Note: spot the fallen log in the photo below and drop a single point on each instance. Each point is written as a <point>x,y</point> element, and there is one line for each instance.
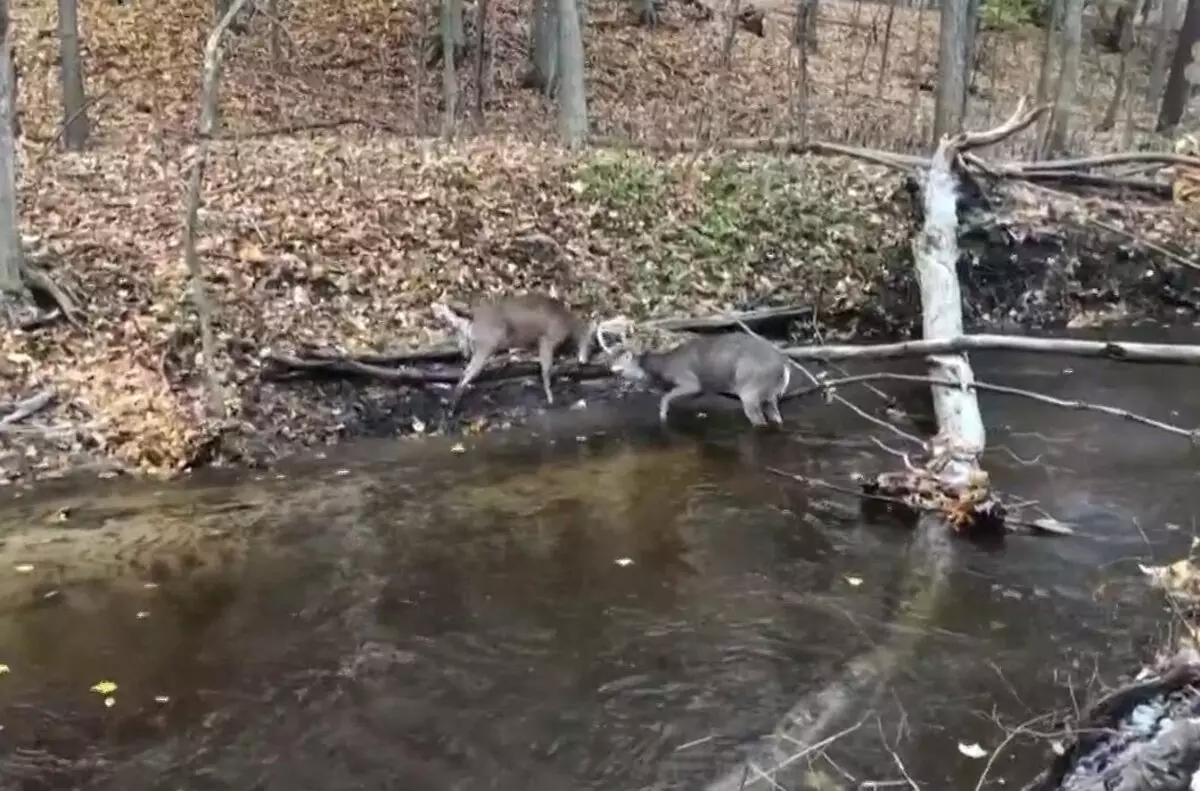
<point>1115,350</point>
<point>282,366</point>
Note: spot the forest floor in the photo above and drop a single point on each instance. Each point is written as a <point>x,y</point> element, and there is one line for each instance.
<point>327,223</point>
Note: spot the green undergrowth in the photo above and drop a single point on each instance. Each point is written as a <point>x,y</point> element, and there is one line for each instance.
<point>745,230</point>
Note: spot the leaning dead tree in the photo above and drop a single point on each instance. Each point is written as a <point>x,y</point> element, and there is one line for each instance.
<point>949,487</point>
<point>209,104</point>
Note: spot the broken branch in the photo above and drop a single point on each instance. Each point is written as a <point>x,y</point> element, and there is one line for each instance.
<point>29,407</point>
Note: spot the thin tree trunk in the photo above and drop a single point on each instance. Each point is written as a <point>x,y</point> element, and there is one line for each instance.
<point>274,44</point>
<point>970,41</point>
<point>952,76</point>
<point>730,35</point>
<point>419,61</point>
<point>481,55</point>
<point>811,8</point>
<point>1168,21</point>
<point>13,295</point>
<point>1179,87</point>
<point>209,100</point>
<point>887,45</point>
<point>75,120</point>
<point>1068,77</point>
<point>1124,36</point>
<point>544,47</point>
<point>800,41</point>
<point>572,100</point>
<point>1046,73</point>
<point>449,75</point>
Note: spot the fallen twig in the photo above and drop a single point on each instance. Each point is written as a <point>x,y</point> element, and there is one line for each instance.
<point>30,406</point>
<point>1116,350</point>
<point>728,321</point>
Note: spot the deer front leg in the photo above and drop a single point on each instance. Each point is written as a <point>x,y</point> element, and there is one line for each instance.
<point>679,391</point>
<point>546,348</point>
<point>478,360</point>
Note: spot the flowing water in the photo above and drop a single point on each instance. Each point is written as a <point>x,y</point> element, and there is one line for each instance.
<point>595,604</point>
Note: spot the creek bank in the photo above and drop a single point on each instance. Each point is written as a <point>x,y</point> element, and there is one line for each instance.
<point>610,232</point>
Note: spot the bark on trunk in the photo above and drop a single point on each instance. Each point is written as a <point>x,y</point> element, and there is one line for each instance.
<point>1179,87</point>
<point>572,101</point>
<point>13,295</point>
<point>75,119</point>
<point>449,75</point>
<point>952,70</point>
<point>544,66</point>
<point>1068,78</point>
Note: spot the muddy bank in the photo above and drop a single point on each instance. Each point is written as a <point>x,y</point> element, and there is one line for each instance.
<point>610,232</point>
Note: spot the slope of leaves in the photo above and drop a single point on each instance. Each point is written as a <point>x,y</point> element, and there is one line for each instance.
<point>345,240</point>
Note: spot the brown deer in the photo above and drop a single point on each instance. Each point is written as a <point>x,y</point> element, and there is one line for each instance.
<point>521,322</point>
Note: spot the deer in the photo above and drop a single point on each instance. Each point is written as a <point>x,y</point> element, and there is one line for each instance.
<point>739,364</point>
<point>520,322</point>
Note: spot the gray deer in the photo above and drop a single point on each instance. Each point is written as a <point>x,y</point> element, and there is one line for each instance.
<point>734,364</point>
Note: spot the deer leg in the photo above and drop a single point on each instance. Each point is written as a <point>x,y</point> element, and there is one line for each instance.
<point>753,410</point>
<point>773,411</point>
<point>679,391</point>
<point>478,360</point>
<point>546,349</point>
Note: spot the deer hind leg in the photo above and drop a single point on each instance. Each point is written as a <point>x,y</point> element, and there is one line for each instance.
<point>752,406</point>
<point>478,360</point>
<point>546,349</point>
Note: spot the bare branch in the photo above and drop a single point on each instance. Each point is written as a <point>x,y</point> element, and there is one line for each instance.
<point>1192,434</point>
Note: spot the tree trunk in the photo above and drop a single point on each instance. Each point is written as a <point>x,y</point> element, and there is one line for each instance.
<point>572,100</point>
<point>810,25</point>
<point>209,101</point>
<point>481,57</point>
<point>800,41</point>
<point>1168,21</point>
<point>887,45</point>
<point>647,11</point>
<point>968,52</point>
<point>1046,73</point>
<point>274,45</point>
<point>13,295</point>
<point>1179,87</point>
<point>75,119</point>
<point>449,75</point>
<point>544,71</point>
<point>1123,41</point>
<point>1068,77</point>
<point>952,70</point>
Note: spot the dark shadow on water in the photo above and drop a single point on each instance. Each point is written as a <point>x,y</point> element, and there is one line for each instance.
<point>597,603</point>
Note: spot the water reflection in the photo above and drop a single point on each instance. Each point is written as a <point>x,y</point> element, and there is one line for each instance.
<point>622,612</point>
